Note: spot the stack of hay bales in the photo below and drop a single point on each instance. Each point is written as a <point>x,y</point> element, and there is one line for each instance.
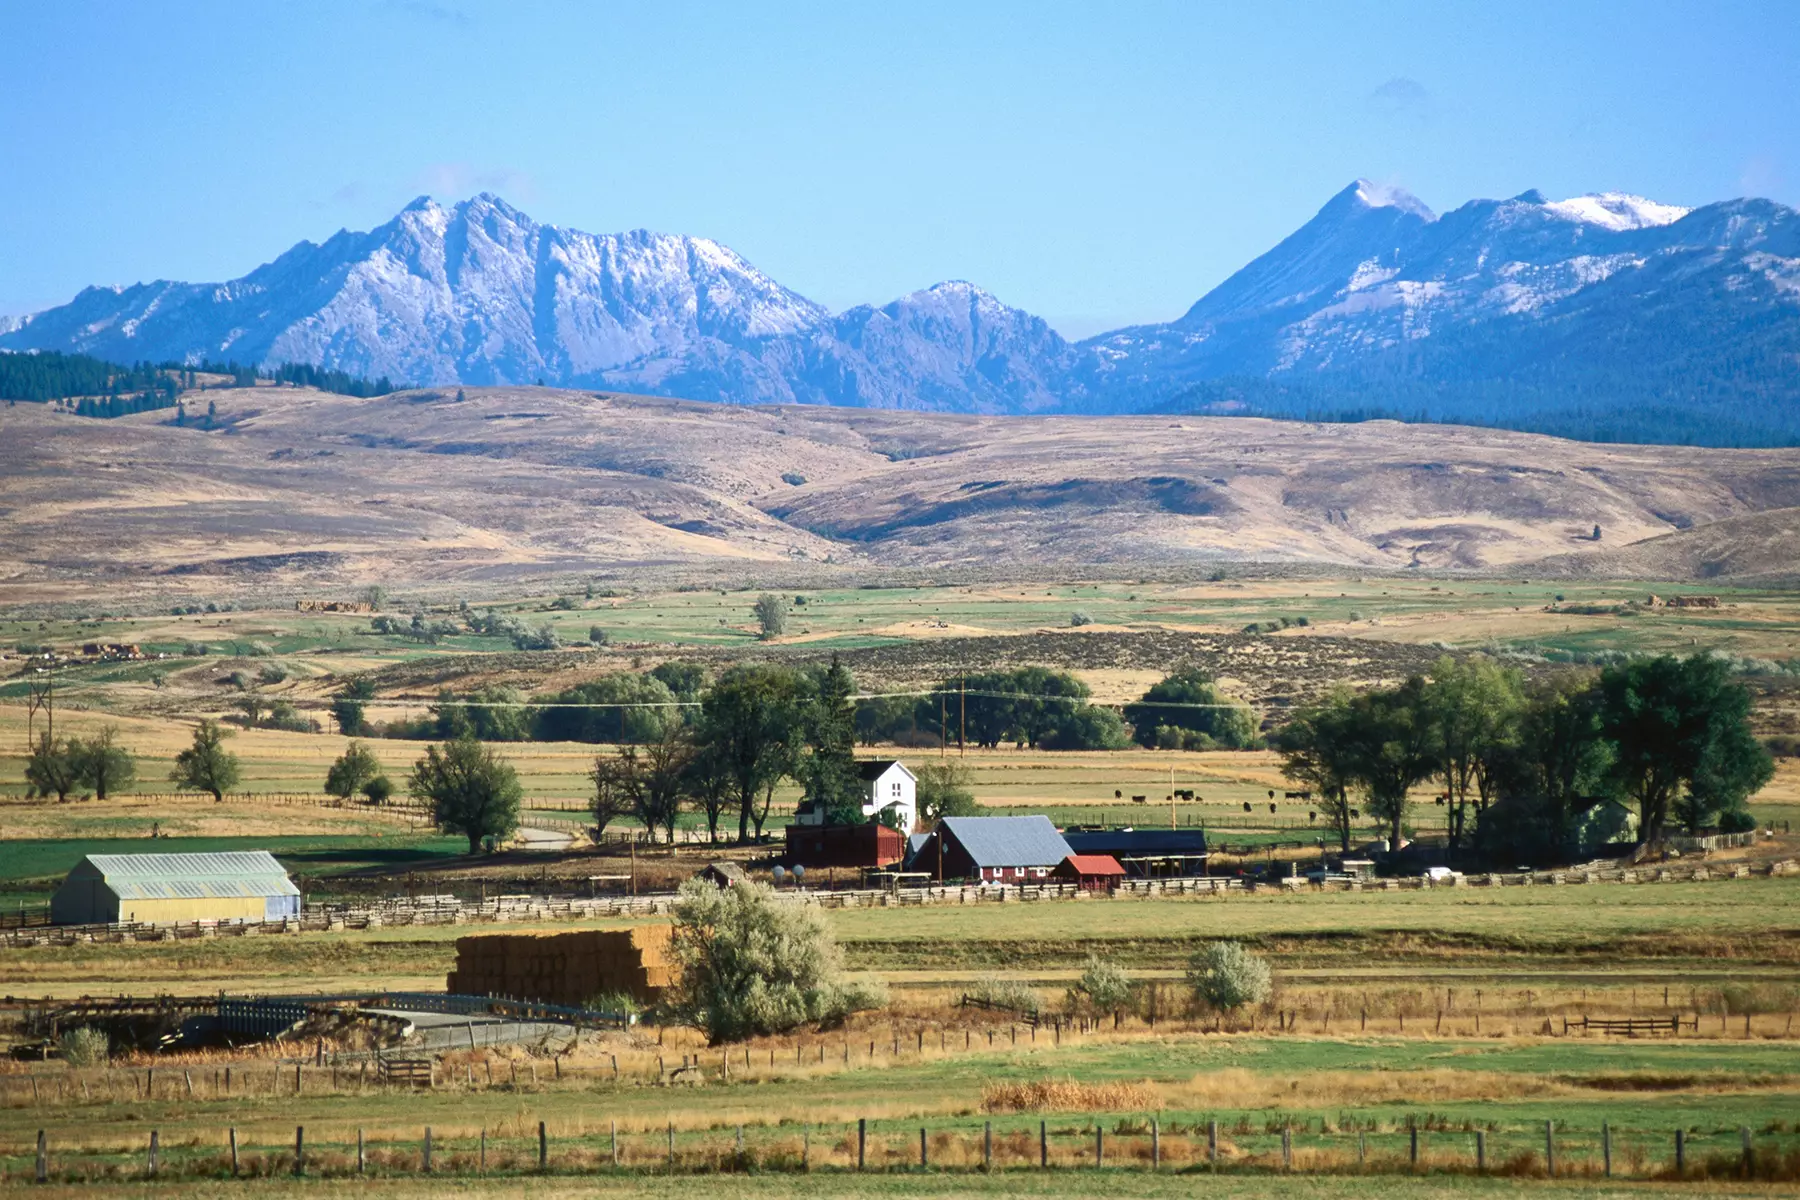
<point>565,968</point>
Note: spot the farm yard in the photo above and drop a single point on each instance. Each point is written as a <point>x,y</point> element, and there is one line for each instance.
<point>1433,1039</point>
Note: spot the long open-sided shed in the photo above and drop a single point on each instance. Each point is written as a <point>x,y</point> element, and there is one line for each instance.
<point>235,885</point>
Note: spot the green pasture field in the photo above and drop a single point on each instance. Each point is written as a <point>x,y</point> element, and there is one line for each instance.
<point>1574,935</point>
<point>1326,1092</point>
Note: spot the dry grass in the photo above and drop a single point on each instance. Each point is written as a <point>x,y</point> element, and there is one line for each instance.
<point>1067,1095</point>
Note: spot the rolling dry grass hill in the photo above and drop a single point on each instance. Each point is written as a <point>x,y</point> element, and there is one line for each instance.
<point>294,488</point>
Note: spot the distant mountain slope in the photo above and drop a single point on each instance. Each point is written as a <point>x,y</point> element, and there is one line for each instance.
<point>1607,316</point>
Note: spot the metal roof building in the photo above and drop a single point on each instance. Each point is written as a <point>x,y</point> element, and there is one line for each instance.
<point>235,885</point>
<point>993,849</point>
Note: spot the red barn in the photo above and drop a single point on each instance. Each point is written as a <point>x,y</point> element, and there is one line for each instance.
<point>870,845</point>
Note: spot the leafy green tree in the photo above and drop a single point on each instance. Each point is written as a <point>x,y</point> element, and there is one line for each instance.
<point>685,680</point>
<point>1087,727</point>
<point>105,765</point>
<point>979,707</point>
<point>944,789</point>
<point>1559,759</point>
<point>1220,721</point>
<point>752,965</point>
<point>1043,703</point>
<point>1318,748</point>
<point>1681,729</point>
<point>1227,977</point>
<point>471,790</point>
<point>352,770</point>
<point>1390,734</point>
<point>771,615</point>
<point>1475,707</point>
<point>629,708</point>
<point>206,766</point>
<point>378,789</point>
<point>53,768</point>
<point>489,714</point>
<point>827,771</point>
<point>886,718</point>
<point>752,720</point>
<point>347,706</point>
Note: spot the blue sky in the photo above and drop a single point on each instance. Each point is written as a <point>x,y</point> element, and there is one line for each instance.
<point>1098,164</point>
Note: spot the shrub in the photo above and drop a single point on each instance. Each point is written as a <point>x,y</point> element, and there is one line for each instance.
<point>195,650</point>
<point>85,1046</point>
<point>792,478</point>
<point>1079,618</point>
<point>1006,993</point>
<point>751,964</point>
<point>617,1004</point>
<point>1226,976</point>
<point>596,636</point>
<point>378,789</point>
<point>1103,986</point>
<point>259,650</point>
<point>1736,820</point>
<point>271,673</point>
<point>563,604</point>
<point>544,637</point>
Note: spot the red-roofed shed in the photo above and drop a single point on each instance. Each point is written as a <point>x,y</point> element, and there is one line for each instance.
<point>1094,872</point>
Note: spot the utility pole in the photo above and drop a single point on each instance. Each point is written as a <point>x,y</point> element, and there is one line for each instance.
<point>943,733</point>
<point>962,715</point>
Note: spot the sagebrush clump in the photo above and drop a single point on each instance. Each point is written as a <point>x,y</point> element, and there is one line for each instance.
<point>1225,976</point>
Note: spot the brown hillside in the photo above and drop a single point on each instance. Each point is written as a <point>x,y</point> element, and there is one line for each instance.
<point>297,488</point>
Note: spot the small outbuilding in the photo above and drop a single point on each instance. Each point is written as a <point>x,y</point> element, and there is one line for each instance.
<point>233,885</point>
<point>723,874</point>
<point>1094,872</point>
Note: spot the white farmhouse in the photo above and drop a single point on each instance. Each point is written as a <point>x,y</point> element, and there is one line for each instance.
<point>887,784</point>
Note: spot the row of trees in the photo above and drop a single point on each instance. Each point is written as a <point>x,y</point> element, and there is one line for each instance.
<point>101,765</point>
<point>1670,736</point>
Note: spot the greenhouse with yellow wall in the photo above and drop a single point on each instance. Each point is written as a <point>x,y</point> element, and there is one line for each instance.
<point>161,889</point>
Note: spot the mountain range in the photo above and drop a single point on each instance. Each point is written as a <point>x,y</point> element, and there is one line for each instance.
<point>1604,316</point>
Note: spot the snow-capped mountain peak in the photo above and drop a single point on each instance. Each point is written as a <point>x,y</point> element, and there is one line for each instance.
<point>1381,195</point>
<point>1617,211</point>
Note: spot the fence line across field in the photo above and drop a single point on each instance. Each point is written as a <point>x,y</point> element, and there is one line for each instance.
<point>451,910</point>
<point>1117,1143</point>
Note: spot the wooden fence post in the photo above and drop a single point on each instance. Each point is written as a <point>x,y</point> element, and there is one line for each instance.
<point>43,1159</point>
<point>362,1161</point>
<point>615,1143</point>
<point>426,1162</point>
<point>1099,1147</point>
<point>152,1161</point>
<point>1212,1144</point>
<point>481,1162</point>
<point>1155,1143</point>
<point>1550,1147</point>
<point>1749,1150</point>
<point>1680,1151</point>
<point>1606,1148</point>
<point>1287,1148</point>
<point>987,1146</point>
<point>806,1148</point>
<point>862,1137</point>
<point>300,1149</point>
<point>924,1154</point>
<point>671,1146</point>
<point>543,1147</point>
